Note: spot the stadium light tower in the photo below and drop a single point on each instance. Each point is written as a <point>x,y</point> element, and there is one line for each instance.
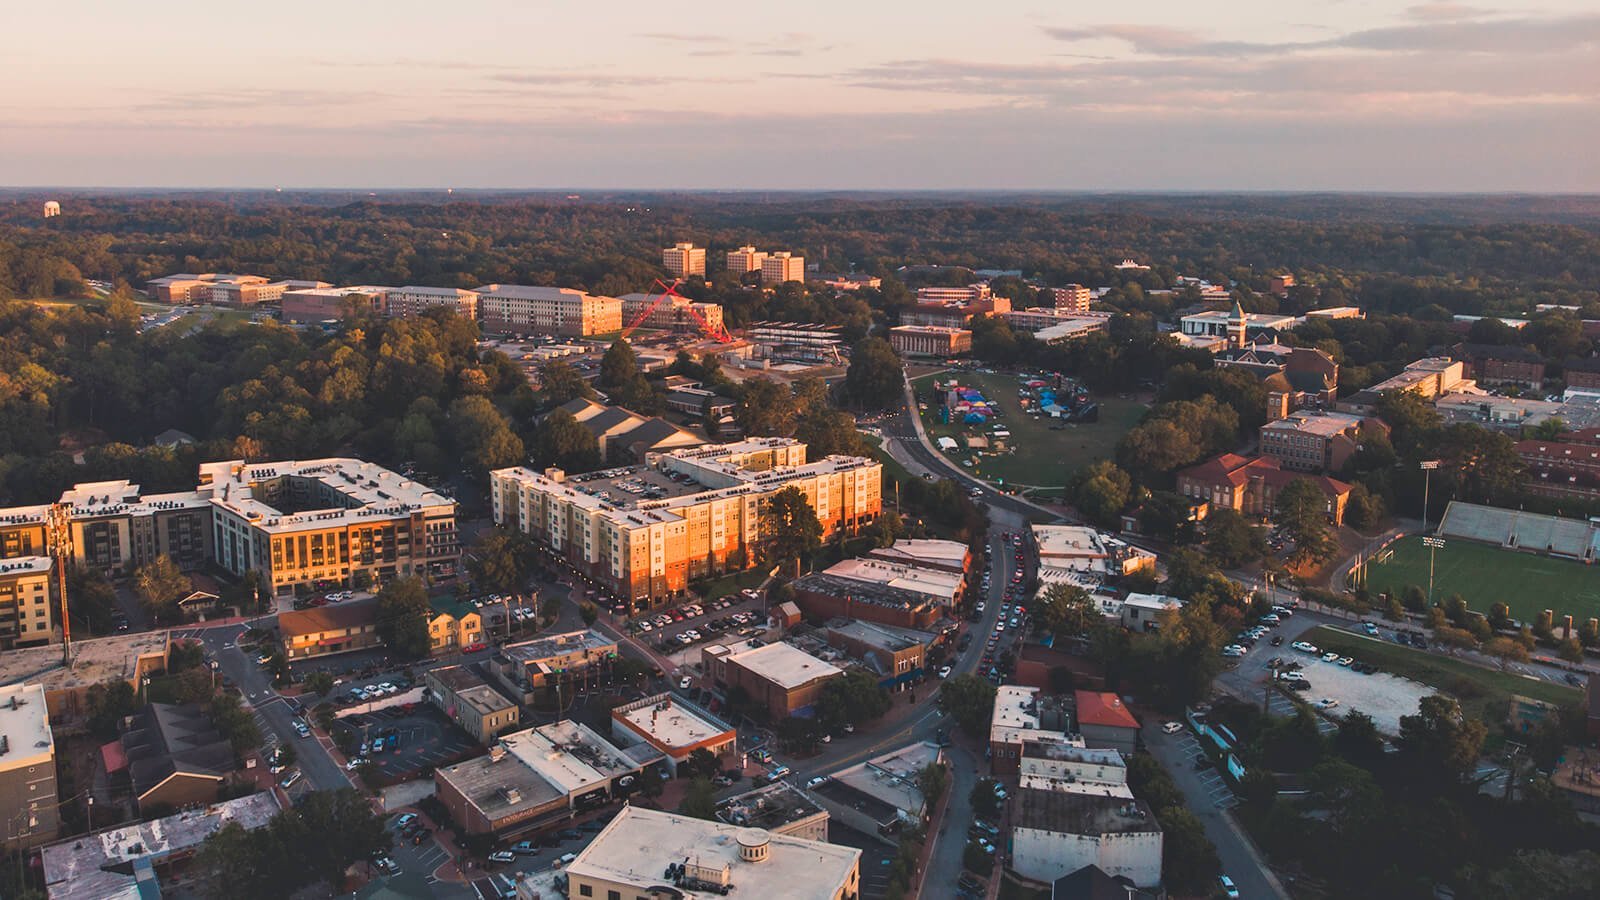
<point>1427,466</point>
<point>1433,544</point>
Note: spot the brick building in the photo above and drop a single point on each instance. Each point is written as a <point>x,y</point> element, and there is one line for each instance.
<point>1568,466</point>
<point>781,677</point>
<point>1501,366</point>
<point>1251,486</point>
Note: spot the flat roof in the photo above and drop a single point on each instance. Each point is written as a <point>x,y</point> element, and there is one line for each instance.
<point>1071,541</point>
<point>933,582</point>
<point>1152,601</point>
<point>568,754</point>
<point>783,664</point>
<point>79,868</point>
<point>24,726</point>
<point>556,645</point>
<point>93,661</point>
<point>891,779</point>
<point>670,721</point>
<point>886,637</point>
<point>539,292</point>
<point>485,699</point>
<point>26,565</point>
<point>1066,751</point>
<point>1064,812</point>
<point>639,843</point>
<point>500,785</point>
<point>868,592</point>
<point>1322,424</point>
<point>771,807</point>
<point>107,498</point>
<point>365,490</point>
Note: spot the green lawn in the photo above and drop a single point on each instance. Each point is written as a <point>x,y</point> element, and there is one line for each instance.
<point>1483,693</point>
<point>1484,575</point>
<point>1039,456</point>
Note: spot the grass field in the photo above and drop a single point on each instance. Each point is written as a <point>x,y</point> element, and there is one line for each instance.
<point>1483,693</point>
<point>1041,457</point>
<point>1484,575</point>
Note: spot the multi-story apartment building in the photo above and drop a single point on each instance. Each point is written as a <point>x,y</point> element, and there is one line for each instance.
<point>930,340</point>
<point>745,259</point>
<point>299,524</point>
<point>114,528</point>
<point>414,300</point>
<point>670,312</point>
<point>1072,298</point>
<point>626,860</point>
<point>1496,365</point>
<point>782,266</point>
<point>27,767</point>
<point>564,312</point>
<point>219,289</point>
<point>1312,441</point>
<point>27,601</point>
<point>22,531</point>
<point>684,259</point>
<point>645,531</point>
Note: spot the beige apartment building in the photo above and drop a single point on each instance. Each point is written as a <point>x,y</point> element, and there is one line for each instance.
<point>564,312</point>
<point>27,767</point>
<point>305,305</point>
<point>646,531</point>
<point>745,259</point>
<point>414,300</point>
<point>783,266</point>
<point>27,602</point>
<point>305,524</point>
<point>114,528</point>
<point>1072,298</point>
<point>671,312</point>
<point>684,259</point>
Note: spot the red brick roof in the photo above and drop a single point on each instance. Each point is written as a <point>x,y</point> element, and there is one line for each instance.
<point>1231,468</point>
<point>1104,710</point>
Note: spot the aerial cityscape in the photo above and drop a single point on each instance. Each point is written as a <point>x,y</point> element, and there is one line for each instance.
<point>825,454</point>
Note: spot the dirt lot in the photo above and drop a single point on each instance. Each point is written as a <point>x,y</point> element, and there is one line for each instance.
<point>1382,696</point>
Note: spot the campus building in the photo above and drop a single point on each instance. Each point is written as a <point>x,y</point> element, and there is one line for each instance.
<point>1072,298</point>
<point>308,305</point>
<point>957,311</point>
<point>684,259</point>
<point>414,300</point>
<point>648,853</point>
<point>27,767</point>
<point>28,602</point>
<point>745,259</point>
<point>647,531</point>
<point>1251,485</point>
<point>1567,467</point>
<point>930,340</point>
<point>779,676</point>
<point>671,312</point>
<point>304,524</point>
<point>1427,378</point>
<point>1313,441</point>
<point>672,725</point>
<point>1501,366</point>
<point>563,312</point>
<point>782,266</point>
<point>972,293</point>
<point>1235,326</point>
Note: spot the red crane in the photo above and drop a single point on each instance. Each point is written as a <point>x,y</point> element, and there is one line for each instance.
<point>715,332</point>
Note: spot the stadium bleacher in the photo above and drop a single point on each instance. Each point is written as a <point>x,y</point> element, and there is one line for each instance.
<point>1517,530</point>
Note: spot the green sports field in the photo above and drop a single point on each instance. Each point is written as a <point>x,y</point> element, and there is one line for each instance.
<point>1484,575</point>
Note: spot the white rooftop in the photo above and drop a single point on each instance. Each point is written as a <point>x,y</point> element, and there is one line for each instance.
<point>782,664</point>
<point>1014,707</point>
<point>568,754</point>
<point>536,292</point>
<point>668,722</point>
<point>25,565</point>
<point>94,498</point>
<point>1152,601</point>
<point>944,585</point>
<point>24,726</point>
<point>1322,424</point>
<point>639,843</point>
<point>370,491</point>
<point>1068,542</point>
<point>930,552</point>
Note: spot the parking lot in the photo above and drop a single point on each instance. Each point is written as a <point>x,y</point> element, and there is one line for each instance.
<point>1382,696</point>
<point>423,740</point>
<point>1214,783</point>
<point>678,632</point>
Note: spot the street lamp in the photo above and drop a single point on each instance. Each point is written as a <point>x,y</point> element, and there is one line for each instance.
<point>1427,466</point>
<point>1433,544</point>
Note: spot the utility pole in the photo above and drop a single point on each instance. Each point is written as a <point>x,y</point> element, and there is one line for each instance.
<point>58,538</point>
<point>1427,466</point>
<point>1433,544</point>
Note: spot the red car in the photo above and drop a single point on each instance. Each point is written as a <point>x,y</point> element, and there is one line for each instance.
<point>474,648</point>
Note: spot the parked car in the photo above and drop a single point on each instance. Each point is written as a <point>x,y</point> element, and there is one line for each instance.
<point>1327,703</point>
<point>1228,887</point>
<point>502,856</point>
<point>1172,727</point>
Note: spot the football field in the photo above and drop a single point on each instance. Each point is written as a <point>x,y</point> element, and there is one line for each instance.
<point>1484,575</point>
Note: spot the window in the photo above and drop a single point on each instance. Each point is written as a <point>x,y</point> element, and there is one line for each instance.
<point>586,890</point>
<point>613,895</point>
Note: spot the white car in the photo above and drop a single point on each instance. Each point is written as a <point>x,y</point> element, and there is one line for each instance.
<point>1327,703</point>
<point>1330,657</point>
<point>1229,888</point>
<point>944,671</point>
<point>1233,651</point>
<point>684,683</point>
<point>1172,727</point>
<point>816,781</point>
<point>646,626</point>
<point>388,688</point>
<point>999,627</point>
<point>1305,647</point>
<point>354,764</point>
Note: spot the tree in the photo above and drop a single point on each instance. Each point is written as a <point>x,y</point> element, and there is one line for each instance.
<point>1232,540</point>
<point>1065,609</point>
<point>969,700</point>
<point>798,733</point>
<point>1357,739</point>
<point>560,383</point>
<point>92,601</point>
<point>235,723</point>
<point>1570,650</point>
<point>875,377</point>
<point>982,798</point>
<point>789,527</point>
<point>562,441</point>
<point>319,683</point>
<point>975,858</point>
<point>1101,491</point>
<point>402,617</point>
<point>482,435</point>
<point>502,562</point>
<point>588,612</point>
<point>193,685</point>
<point>1301,509</point>
<point>700,800</point>
<point>852,698</point>
<point>1440,744</point>
<point>1499,616</point>
<point>160,585</point>
<point>933,780</point>
<point>1189,861</point>
<point>767,409</point>
<point>1506,651</point>
<point>703,762</point>
<point>1364,510</point>
<point>619,366</point>
<point>108,703</point>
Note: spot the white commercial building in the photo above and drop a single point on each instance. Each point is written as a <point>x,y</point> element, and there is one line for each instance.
<point>1055,833</point>
<point>647,853</point>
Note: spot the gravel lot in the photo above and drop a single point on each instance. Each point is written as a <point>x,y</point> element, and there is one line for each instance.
<point>1380,695</point>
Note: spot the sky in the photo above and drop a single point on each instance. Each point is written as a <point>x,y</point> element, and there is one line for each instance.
<point>1150,95</point>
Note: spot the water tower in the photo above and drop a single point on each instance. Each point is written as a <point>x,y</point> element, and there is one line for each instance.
<point>51,209</point>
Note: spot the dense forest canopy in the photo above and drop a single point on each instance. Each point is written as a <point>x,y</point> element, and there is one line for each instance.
<point>1467,254</point>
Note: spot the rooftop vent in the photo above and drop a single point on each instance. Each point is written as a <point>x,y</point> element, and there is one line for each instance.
<point>754,845</point>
